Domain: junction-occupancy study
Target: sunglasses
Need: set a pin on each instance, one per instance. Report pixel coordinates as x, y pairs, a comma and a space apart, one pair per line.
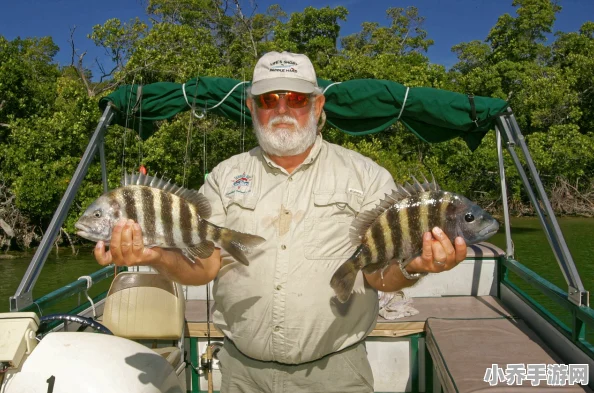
270, 100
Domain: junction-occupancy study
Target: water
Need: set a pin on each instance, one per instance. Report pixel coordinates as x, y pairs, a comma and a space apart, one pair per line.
58, 271
531, 249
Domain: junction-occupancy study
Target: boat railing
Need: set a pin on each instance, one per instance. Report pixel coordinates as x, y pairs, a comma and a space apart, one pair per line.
581, 315
80, 286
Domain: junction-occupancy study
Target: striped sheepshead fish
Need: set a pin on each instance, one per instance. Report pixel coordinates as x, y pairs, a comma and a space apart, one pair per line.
170, 217
393, 231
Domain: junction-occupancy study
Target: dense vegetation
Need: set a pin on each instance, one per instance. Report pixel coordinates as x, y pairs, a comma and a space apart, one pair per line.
47, 113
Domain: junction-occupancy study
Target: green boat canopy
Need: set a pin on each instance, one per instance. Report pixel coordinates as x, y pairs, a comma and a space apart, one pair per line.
358, 107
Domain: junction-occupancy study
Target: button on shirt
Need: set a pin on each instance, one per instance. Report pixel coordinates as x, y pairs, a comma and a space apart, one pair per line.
281, 307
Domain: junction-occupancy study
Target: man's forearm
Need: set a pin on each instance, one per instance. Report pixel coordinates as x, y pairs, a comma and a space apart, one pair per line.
392, 280
175, 266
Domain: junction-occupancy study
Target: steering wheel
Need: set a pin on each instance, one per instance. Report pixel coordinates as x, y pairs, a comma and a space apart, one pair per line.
83, 321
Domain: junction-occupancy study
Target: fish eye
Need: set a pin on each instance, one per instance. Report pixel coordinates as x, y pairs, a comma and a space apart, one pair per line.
97, 213
469, 217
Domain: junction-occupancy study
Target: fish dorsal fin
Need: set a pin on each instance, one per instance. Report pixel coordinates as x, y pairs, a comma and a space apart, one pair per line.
417, 187
364, 219
191, 196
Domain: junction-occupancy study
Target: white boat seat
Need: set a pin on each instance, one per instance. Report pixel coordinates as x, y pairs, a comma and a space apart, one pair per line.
463, 349
146, 306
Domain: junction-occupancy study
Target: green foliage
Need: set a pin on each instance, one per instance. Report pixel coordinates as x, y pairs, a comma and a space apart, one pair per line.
27, 77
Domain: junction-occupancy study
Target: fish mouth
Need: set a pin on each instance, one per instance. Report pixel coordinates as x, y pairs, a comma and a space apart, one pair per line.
489, 230
83, 231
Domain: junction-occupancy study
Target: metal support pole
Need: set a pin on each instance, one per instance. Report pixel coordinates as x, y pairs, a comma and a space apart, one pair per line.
103, 164
24, 293
513, 136
508, 240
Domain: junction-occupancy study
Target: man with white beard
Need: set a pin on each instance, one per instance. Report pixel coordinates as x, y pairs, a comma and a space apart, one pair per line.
284, 330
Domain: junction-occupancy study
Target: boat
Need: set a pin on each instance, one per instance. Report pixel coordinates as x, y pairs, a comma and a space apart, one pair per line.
475, 329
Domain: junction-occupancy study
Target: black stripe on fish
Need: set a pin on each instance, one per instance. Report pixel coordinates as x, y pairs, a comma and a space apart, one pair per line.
148, 200
377, 232
167, 217
130, 204
414, 220
202, 229
185, 221
395, 228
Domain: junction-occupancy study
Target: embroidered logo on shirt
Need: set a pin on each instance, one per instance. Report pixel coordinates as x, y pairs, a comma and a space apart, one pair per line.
241, 183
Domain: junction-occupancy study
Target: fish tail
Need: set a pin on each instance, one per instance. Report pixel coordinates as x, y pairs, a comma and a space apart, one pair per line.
343, 279
237, 244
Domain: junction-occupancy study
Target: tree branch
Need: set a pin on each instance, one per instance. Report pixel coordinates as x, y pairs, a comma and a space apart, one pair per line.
247, 27
79, 67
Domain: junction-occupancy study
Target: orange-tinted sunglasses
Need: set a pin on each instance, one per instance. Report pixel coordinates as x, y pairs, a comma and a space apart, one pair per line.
294, 100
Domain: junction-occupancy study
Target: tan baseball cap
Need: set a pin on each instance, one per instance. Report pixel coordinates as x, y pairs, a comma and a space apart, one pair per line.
283, 71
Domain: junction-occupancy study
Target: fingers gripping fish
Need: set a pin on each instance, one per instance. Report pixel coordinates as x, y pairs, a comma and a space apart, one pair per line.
393, 230
170, 217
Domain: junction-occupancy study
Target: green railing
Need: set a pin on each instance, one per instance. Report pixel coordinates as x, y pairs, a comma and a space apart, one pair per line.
581, 316
77, 287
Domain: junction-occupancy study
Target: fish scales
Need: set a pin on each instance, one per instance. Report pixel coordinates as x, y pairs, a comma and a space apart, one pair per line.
157, 227
169, 216
148, 219
393, 231
177, 235
194, 222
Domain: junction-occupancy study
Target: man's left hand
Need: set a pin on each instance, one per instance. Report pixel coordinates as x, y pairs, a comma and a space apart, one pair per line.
439, 254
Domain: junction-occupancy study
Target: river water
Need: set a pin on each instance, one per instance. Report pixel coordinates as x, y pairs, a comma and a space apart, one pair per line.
531, 249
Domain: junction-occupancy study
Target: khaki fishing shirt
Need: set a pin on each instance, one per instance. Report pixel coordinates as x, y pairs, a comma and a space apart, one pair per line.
281, 307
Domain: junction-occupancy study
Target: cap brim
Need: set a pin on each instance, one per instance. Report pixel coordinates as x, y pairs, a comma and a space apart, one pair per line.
278, 84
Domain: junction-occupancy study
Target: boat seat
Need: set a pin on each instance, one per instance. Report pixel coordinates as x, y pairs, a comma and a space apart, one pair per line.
146, 306
463, 349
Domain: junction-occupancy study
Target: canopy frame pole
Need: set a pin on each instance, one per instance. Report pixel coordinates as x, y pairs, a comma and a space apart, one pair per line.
24, 293
513, 137
508, 240
103, 164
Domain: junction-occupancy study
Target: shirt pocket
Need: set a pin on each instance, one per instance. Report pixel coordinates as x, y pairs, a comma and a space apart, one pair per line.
240, 213
327, 227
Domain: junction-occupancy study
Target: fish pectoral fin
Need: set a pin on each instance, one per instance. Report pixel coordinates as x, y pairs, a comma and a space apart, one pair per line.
374, 267
202, 250
405, 262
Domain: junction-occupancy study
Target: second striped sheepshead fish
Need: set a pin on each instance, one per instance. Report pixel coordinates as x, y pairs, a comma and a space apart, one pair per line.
393, 231
169, 216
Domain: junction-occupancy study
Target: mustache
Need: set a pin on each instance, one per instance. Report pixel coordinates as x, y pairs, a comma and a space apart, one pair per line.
282, 119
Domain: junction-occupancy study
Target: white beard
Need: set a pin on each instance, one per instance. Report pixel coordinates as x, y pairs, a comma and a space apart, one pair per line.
284, 142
